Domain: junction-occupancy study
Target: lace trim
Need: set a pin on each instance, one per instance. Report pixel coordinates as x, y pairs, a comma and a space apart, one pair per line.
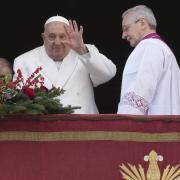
135, 101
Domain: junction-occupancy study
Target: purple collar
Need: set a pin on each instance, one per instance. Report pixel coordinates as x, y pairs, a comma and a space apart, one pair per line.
152, 35
155, 36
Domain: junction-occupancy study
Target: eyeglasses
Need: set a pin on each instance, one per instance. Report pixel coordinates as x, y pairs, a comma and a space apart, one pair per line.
126, 28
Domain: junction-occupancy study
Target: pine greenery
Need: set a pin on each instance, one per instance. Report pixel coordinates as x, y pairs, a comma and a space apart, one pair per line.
30, 96
42, 103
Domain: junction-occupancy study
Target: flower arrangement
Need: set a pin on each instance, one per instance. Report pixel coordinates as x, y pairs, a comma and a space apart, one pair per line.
30, 96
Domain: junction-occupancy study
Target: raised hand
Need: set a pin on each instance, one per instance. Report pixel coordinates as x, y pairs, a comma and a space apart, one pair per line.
75, 37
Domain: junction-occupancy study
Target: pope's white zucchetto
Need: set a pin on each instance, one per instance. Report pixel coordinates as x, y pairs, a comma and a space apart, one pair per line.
58, 19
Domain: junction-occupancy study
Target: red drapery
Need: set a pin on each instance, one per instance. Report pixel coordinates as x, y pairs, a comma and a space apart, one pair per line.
85, 147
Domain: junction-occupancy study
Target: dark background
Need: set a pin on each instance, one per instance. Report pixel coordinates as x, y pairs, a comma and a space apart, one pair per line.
22, 24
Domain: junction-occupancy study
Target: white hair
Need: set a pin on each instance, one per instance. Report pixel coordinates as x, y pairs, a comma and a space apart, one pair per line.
142, 11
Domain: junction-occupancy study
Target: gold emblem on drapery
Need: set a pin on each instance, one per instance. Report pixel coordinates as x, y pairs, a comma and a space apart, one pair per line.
131, 172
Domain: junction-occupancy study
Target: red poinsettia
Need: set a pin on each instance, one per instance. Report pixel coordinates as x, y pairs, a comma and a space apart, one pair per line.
30, 96
43, 88
29, 92
11, 85
34, 81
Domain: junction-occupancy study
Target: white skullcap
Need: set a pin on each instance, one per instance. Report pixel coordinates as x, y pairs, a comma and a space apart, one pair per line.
57, 18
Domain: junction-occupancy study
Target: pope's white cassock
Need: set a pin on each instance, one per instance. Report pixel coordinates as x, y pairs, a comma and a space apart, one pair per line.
77, 74
151, 81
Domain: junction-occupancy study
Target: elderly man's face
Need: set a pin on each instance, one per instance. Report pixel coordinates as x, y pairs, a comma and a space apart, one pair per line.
53, 37
131, 31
